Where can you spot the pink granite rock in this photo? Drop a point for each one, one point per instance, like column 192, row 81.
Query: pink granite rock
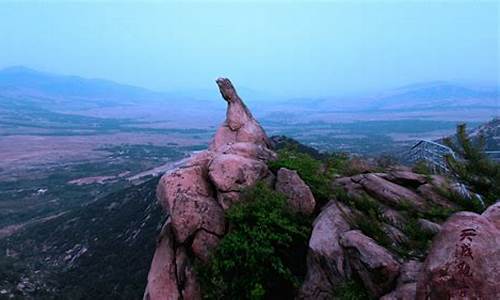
column 464, row 259
column 390, row 193
column 170, row 270
column 299, row 195
column 196, row 195
column 326, row 262
column 375, row 265
column 240, row 125
column 189, row 198
column 232, row 173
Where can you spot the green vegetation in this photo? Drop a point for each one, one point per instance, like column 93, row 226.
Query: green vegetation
column 118, row 231
column 317, row 173
column 421, row 167
column 473, row 167
column 473, row 204
column 351, row 290
column 263, row 255
column 370, row 222
column 152, row 152
column 417, row 238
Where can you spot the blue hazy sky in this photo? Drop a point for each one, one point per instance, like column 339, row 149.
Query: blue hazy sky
column 286, row 48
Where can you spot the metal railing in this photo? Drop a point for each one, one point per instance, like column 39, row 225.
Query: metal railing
column 434, row 154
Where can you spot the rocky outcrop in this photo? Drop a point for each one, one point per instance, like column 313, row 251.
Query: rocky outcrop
column 410, row 271
column 240, row 125
column 406, row 288
column 374, row 265
column 171, row 275
column 464, row 259
column 197, row 194
column 398, row 188
column 326, row 262
column 388, row 192
column 337, row 253
column 299, row 195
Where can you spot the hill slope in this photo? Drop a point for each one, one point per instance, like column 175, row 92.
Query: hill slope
column 98, row 251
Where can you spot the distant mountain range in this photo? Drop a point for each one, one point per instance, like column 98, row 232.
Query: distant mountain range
column 22, row 81
column 21, row 86
column 438, row 95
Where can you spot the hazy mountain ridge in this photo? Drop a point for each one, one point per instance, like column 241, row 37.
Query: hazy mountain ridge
column 62, row 89
column 57, row 91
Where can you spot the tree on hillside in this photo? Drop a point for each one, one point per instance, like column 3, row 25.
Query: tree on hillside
column 472, row 166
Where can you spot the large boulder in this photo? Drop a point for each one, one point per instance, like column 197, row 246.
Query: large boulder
column 190, row 181
column 232, row 173
column 171, row 276
column 299, row 195
column 396, row 236
column 406, row 178
column 348, row 184
column 380, row 187
column 493, row 214
column 189, row 198
column 326, row 262
column 374, row 265
column 430, row 192
column 390, row 193
column 464, row 259
column 409, row 272
column 407, row 282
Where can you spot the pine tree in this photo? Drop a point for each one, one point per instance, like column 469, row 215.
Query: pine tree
column 472, row 166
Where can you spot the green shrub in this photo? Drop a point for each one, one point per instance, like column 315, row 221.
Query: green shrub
column 372, row 227
column 351, row 290
column 339, row 164
column 263, row 254
column 421, row 167
column 417, row 238
column 437, row 213
column 370, row 222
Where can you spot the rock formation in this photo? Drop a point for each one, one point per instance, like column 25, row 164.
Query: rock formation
column 464, row 260
column 196, row 195
column 462, row 263
column 299, row 195
column 326, row 262
column 339, row 253
column 374, row 264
